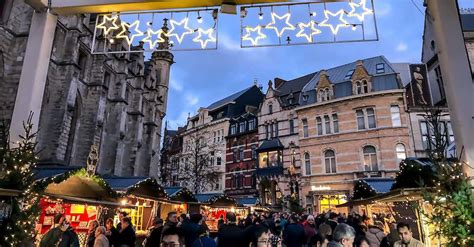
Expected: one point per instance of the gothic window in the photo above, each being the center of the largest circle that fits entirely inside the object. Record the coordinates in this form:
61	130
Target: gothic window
401	152
370	158
307	164
330	161
270	109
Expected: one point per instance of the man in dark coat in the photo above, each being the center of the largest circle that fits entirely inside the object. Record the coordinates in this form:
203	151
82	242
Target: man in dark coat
171	221
293	235
191	229
332	221
127	235
229	234
154	235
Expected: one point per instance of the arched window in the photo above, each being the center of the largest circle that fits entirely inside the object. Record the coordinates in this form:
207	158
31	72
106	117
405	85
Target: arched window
358	87
401	152
330	161
370	158
327	93
365	86
307	164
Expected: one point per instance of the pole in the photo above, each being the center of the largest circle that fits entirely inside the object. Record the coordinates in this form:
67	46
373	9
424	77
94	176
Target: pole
29	96
459	85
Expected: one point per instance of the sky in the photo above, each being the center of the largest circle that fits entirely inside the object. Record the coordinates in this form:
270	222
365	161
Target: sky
199	78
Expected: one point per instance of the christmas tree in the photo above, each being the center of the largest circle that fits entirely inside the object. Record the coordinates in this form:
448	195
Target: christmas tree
16	172
362	190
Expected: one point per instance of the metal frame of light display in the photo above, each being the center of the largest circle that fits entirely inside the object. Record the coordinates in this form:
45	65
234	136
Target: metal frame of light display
314	24
129	32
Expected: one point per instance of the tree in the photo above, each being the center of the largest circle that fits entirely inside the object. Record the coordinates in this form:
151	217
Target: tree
197	168
362	190
16	172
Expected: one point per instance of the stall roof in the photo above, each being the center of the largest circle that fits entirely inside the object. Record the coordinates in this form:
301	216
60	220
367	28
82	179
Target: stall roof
205	198
48	171
181	194
249	201
145	187
391	196
380	185
123	183
171	191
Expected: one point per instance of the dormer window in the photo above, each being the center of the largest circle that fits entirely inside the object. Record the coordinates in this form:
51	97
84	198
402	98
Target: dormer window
349	74
290	101
305	97
270	109
380	67
362	87
324	94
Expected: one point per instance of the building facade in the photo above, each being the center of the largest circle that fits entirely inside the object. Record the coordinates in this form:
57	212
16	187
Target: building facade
352	125
115	102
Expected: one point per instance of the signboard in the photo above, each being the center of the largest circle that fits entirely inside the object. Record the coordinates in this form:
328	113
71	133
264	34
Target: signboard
418	91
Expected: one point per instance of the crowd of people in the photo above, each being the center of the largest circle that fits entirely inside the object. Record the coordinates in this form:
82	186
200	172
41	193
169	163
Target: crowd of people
256	230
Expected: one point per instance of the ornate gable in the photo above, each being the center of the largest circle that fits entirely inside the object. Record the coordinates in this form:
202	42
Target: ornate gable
324	88
324	81
361	79
360	73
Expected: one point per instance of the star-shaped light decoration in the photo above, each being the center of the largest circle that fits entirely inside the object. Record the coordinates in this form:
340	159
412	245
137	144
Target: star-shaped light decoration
343	23
289	26
184	23
127	27
112	24
149	37
362	6
313	30
204	42
255	40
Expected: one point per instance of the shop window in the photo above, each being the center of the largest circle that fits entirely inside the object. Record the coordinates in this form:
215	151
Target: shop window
401	152
329	202
330	161
370	158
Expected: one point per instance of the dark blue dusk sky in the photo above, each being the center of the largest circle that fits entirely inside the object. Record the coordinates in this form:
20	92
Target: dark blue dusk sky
199	78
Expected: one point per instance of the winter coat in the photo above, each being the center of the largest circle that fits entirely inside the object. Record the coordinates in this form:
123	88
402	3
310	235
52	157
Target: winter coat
230	235
309	231
191	232
90	238
101	241
113	237
413	243
332	224
126	237
155	237
204	241
375	236
293	235
69	238
51	238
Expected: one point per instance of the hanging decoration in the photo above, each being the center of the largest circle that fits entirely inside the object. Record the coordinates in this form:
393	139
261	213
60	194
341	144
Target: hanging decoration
308	23
129	32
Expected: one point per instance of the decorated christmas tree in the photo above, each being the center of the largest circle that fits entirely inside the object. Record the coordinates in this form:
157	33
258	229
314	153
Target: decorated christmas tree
16	172
362	190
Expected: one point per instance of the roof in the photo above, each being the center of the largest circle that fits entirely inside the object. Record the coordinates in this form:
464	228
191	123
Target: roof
123	183
293	87
467	22
47	171
380	185
203	198
248	201
171	191
228	99
272	144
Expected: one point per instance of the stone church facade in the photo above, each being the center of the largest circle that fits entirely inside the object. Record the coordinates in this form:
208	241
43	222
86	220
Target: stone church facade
115	101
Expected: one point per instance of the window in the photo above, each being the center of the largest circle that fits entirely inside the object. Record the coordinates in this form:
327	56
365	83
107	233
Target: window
371	118
358	87
335	123
349	74
251	124
254	152
401	152
292	126
212	158
106	82
370	158
270	109
307	164
271	131
242	127
305	127
450	133
380	67
233	129
439	80
276	129
215	134
236	155
365	86
330	161
395	111
319	126
219	160
428	137
241	153
425	136
305	97
360	120
220	114
266	131
327	124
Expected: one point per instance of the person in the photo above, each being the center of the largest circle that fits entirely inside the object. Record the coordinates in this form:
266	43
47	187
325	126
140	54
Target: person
172	237
392	237
332	220
318	240
183	218
406	236
171	220
100	238
93	224
229	234
362	242
293	235
309	228
258	236
111	233
375	233
343	236
127	235
204	240
191	229
325	230
52	237
154	233
121	215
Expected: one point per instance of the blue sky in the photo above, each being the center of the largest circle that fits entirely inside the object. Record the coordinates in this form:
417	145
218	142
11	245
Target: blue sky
199	78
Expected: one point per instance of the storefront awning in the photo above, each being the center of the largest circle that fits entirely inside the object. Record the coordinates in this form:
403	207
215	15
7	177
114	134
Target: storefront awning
269	145
398	195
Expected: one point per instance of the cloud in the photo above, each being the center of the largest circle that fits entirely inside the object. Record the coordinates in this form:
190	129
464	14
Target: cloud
228	43
175	85
402	46
192	100
382	9
179	121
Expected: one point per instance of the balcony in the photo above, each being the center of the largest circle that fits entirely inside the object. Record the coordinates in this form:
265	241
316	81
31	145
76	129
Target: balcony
270	171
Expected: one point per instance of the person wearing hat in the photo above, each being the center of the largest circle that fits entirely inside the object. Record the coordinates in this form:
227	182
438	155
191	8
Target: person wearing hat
154	233
375	234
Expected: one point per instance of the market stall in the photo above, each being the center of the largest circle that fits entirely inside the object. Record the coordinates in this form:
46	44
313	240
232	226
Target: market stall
216	206
180	200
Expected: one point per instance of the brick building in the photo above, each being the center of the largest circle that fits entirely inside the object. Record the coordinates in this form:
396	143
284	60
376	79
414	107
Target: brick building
353	126
116	102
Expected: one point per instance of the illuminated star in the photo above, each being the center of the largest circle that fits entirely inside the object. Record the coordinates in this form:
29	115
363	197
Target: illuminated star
184	23
289	26
303	34
112	20
361	5
255	40
125	27
210	38
149	37
343	23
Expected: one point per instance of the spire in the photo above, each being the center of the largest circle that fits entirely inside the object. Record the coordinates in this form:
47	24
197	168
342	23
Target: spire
270	84
165	45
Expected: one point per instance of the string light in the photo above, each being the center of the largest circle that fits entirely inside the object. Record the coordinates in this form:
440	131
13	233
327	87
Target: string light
209	38
343	23
313	30
106	19
288	26
361	5
125	27
184	24
199	18
260	14
149	38
258	30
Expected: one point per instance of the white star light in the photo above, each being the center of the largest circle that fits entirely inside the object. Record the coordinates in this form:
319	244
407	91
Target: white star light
184	23
210	38
313	30
108	28
289	26
255	40
149	37
362	5
125	27
339	13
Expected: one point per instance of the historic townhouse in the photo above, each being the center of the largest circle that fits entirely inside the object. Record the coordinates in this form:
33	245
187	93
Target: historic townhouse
241	155
352	125
278	154
170	157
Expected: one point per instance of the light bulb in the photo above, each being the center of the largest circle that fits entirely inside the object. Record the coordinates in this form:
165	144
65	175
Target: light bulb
260	16
354	27
312	14
199	19
111	41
